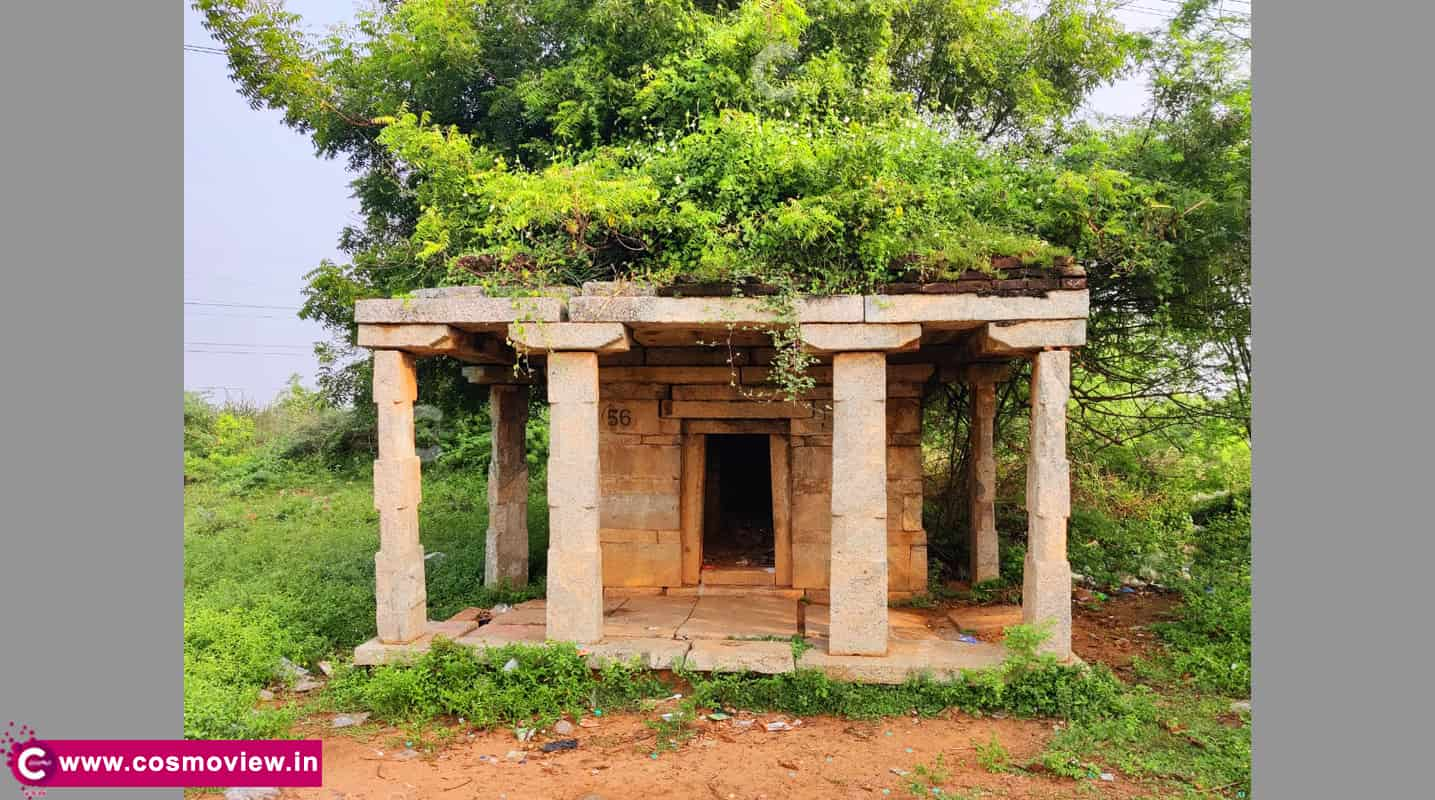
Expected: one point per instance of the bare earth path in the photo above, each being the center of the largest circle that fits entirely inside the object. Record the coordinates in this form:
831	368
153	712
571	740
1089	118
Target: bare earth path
823	757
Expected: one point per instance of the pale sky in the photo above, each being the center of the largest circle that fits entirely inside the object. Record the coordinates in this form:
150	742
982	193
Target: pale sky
261	210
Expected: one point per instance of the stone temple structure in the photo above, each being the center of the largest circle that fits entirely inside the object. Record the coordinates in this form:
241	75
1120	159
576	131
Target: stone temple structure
686	495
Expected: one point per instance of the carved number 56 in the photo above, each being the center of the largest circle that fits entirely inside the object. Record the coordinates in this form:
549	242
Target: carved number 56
619	417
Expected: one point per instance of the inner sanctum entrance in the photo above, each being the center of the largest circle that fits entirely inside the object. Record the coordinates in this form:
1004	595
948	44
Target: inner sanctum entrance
739	545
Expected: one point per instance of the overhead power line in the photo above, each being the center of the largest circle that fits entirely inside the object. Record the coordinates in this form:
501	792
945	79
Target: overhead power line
213	304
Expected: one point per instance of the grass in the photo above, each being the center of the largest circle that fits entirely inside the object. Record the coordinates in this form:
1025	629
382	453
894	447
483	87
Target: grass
286	568
279	563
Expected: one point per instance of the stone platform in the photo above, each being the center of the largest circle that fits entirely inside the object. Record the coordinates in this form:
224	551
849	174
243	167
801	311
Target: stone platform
722	632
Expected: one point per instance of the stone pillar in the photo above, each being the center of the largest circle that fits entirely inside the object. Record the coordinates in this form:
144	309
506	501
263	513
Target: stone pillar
575	567
985	565
859	504
506	548
399	565
1046	578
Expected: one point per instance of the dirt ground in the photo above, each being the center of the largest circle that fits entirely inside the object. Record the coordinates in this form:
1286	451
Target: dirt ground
822	757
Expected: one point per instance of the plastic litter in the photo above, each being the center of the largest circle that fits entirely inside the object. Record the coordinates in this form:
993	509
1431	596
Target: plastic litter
561	744
968	638
718	716
510	665
1108	777
777	726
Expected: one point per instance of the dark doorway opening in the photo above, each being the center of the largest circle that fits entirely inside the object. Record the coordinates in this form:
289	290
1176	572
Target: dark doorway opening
737	513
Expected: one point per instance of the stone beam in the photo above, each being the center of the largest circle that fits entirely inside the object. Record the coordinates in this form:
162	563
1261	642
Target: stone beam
399	591
592	337
431	339
1046	575
713	312
738	409
498	375
1014	338
468	312
506	546
575	558
859	505
822	337
957	311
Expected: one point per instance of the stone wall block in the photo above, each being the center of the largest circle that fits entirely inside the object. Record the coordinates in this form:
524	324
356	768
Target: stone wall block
859	607
397	483
1046	599
400	595
394	377
573	377
574	611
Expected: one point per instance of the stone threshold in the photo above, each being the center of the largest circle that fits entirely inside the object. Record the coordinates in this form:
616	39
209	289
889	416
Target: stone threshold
715	633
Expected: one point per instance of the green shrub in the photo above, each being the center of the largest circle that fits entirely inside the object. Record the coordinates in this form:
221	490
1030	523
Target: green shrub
1211	640
480	687
229	656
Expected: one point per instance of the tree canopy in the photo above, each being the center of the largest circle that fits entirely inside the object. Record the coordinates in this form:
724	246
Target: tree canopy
823	145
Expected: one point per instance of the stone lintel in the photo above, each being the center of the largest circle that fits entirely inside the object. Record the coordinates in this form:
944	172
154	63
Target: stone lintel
596	337
985	373
719	409
824	337
498	375
491	313
432	339
958	311
724	426
1011	338
708	311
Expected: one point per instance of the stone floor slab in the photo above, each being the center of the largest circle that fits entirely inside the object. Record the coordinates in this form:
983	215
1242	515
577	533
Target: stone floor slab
649	617
905	658
650	653
730	655
902	623
496	635
535	612
727	617
985	622
375	652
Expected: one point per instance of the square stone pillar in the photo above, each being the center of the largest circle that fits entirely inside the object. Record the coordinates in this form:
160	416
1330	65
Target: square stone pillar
402	601
506	547
859	504
982	544
575	566
1046	578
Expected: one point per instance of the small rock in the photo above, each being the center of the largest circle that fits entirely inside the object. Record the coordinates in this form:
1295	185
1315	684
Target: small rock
562	727
251	793
288	669
1241	707
516	756
350	720
898	771
407	754
326	668
307	684
266	695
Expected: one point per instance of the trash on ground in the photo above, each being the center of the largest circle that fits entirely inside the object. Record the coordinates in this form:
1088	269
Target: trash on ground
561	744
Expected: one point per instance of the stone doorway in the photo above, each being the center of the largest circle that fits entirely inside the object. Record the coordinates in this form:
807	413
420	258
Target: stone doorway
739	545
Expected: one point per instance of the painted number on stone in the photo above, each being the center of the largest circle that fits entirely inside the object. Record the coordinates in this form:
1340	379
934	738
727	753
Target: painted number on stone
619	417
